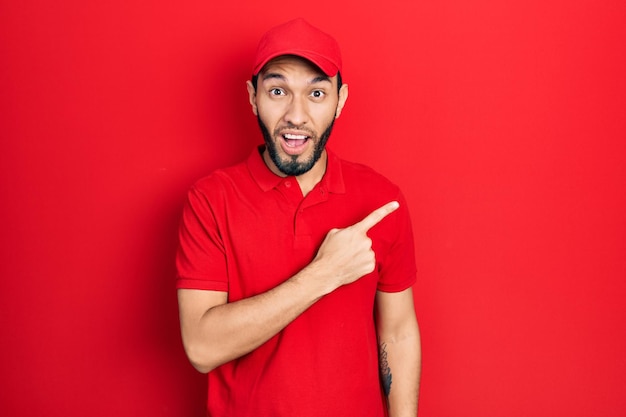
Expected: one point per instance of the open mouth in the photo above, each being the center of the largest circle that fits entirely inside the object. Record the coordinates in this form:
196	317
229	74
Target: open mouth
294	141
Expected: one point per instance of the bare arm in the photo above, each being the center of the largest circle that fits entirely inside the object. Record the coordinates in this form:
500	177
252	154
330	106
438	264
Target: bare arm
399	351
215	332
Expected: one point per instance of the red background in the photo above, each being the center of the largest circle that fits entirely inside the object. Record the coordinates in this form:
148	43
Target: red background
502	121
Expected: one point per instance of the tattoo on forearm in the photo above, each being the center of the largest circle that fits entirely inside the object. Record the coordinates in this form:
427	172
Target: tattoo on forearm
385	370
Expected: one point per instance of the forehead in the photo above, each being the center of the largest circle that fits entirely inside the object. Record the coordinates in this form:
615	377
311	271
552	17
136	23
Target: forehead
289	66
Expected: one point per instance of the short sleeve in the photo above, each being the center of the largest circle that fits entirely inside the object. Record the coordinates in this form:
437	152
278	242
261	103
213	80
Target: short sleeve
201	257
397	270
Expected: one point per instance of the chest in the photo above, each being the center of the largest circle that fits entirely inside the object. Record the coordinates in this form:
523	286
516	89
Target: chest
270	237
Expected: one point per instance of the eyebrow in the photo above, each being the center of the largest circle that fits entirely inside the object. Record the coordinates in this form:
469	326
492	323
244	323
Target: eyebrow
320	79
271	75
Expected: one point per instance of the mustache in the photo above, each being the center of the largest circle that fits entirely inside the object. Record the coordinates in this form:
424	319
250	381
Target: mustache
289	126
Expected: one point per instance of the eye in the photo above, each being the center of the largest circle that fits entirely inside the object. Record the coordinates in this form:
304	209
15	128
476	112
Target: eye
318	94
277	92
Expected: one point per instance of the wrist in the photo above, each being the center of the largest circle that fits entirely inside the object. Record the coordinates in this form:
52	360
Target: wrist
315	276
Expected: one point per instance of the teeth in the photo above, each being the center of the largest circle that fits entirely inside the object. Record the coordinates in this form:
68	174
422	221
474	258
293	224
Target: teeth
294	137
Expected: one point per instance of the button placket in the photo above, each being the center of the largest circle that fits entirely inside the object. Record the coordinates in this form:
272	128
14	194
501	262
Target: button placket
302	230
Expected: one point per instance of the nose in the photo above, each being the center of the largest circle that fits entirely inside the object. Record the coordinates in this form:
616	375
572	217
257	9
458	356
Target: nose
297	112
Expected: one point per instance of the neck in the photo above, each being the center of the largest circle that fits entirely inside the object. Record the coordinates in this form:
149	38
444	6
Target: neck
306	181
309	179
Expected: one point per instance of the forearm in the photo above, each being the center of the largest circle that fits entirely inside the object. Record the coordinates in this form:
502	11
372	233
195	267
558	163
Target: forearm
215	332
400	363
227	331
399	351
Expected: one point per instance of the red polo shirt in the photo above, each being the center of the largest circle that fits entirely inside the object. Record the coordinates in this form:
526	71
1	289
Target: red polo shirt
245	230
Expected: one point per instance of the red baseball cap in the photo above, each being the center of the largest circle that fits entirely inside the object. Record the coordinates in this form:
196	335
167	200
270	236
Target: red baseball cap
300	38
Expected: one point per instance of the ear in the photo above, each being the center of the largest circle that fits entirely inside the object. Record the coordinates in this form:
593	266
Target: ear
343	96
252	97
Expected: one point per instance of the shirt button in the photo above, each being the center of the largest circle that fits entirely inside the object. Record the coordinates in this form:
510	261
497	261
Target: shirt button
287	184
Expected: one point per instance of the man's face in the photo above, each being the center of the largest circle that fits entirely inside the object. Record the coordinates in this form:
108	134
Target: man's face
296	105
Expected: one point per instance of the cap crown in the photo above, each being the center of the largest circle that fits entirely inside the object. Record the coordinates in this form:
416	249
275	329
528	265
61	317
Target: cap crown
300	38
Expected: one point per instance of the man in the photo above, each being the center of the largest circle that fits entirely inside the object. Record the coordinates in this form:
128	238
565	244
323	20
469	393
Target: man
295	267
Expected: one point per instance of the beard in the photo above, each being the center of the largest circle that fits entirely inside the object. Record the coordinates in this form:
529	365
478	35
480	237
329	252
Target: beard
291	166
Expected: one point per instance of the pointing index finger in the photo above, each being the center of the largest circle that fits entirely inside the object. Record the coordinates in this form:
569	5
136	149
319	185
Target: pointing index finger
376	216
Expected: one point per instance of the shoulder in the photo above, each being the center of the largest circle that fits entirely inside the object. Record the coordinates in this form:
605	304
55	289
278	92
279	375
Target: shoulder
216	190
220	179
361	176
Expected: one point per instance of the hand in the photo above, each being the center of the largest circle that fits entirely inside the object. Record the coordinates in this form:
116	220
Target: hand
347	253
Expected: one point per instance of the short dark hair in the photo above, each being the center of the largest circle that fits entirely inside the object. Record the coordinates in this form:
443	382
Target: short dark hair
255	80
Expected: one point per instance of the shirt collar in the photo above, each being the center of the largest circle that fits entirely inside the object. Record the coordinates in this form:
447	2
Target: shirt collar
267	180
